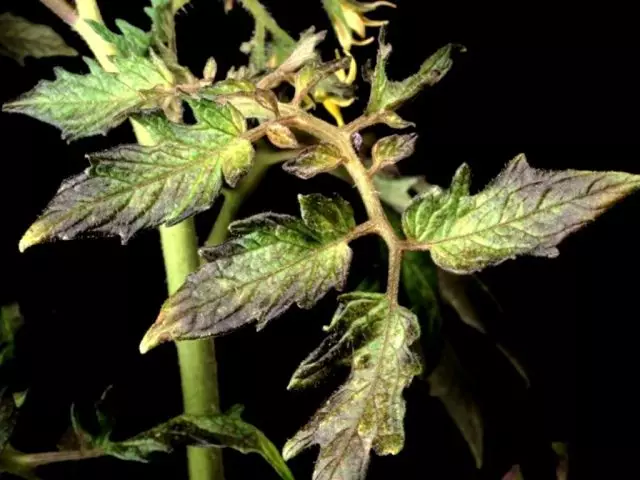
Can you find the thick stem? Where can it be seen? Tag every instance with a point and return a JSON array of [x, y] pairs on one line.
[[197, 360], [62, 9]]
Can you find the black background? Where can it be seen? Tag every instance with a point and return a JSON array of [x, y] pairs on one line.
[[558, 84]]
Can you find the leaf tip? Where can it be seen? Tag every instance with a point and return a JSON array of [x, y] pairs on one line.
[[32, 237], [156, 335]]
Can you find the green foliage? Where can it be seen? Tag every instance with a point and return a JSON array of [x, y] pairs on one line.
[[524, 211], [10, 323], [367, 412], [20, 38], [92, 104], [314, 160], [388, 94], [390, 150], [131, 42], [271, 262]]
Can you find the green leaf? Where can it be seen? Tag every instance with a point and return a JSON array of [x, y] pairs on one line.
[[449, 383], [85, 105], [367, 412], [390, 150], [524, 211], [132, 42], [8, 416], [134, 187], [312, 74], [272, 262], [314, 160], [20, 38], [387, 94], [224, 430], [395, 191], [10, 323]]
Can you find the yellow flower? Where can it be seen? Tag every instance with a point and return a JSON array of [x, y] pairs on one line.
[[328, 92], [348, 17]]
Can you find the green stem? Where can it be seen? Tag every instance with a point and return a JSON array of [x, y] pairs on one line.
[[236, 197], [261, 15], [14, 458]]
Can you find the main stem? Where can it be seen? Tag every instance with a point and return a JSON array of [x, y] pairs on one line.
[[198, 367]]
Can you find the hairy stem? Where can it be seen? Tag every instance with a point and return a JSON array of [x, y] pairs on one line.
[[341, 138], [198, 367], [62, 9]]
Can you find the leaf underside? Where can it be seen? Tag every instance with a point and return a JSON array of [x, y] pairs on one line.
[[20, 38], [524, 211], [272, 262], [134, 187], [367, 412]]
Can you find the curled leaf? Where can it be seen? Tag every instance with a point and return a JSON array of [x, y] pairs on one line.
[[390, 150], [367, 412], [314, 160], [524, 211], [272, 262], [281, 136]]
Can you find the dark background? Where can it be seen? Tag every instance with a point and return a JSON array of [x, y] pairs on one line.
[[560, 85]]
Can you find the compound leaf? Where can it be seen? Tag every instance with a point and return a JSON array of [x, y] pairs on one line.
[[131, 42], [524, 211], [91, 104], [367, 412], [388, 94], [20, 38], [134, 187], [272, 262]]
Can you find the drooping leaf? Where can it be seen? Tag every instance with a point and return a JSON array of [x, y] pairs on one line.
[[272, 262], [314, 160], [10, 323], [462, 293], [524, 211], [134, 187], [449, 383], [367, 412], [388, 94], [390, 150], [20, 38], [395, 191], [131, 42], [91, 104]]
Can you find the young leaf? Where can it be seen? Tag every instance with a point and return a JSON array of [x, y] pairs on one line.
[[387, 94], [449, 384], [223, 430], [524, 211], [272, 262], [367, 412], [134, 187], [132, 42], [390, 150], [314, 160], [19, 38], [85, 105], [281, 136]]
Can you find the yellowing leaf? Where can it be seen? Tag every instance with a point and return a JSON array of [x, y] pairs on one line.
[[85, 105], [314, 160], [367, 412], [134, 187], [281, 136], [524, 211], [388, 94], [272, 262], [20, 38]]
